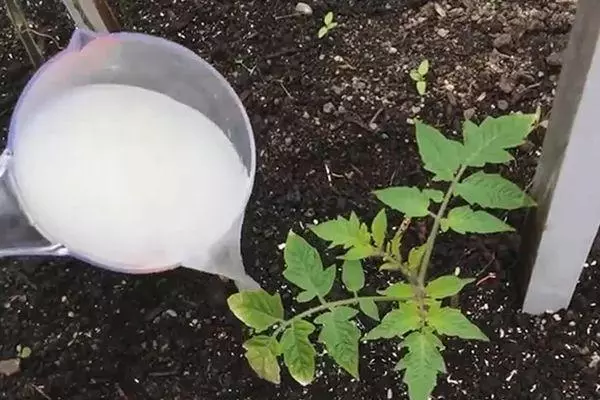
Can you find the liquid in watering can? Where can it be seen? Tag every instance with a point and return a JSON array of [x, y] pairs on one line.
[[131, 153]]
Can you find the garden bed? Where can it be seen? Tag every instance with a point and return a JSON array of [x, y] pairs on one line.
[[331, 120]]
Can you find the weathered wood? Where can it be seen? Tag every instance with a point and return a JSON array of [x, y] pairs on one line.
[[561, 231], [95, 15]]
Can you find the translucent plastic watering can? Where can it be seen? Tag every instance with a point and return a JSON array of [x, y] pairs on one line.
[[147, 62]]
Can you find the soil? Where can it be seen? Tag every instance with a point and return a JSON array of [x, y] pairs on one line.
[[332, 122]]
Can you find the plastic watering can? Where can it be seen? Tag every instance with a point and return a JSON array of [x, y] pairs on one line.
[[151, 63]]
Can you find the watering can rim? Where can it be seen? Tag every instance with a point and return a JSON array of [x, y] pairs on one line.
[[77, 44], [166, 42]]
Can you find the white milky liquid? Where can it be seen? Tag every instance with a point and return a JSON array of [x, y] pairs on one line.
[[124, 176]]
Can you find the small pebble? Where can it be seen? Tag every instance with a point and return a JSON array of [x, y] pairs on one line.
[[303, 8], [503, 105], [556, 317], [171, 313], [392, 50], [443, 32], [502, 40], [328, 108], [390, 394], [337, 89], [469, 113], [288, 141], [554, 59]]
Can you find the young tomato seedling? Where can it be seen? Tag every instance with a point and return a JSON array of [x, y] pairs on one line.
[[328, 25], [419, 75], [420, 317]]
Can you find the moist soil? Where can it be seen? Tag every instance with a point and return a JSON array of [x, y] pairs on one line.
[[332, 122]]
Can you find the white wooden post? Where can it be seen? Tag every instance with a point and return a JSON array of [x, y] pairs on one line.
[[94, 15], [567, 185]]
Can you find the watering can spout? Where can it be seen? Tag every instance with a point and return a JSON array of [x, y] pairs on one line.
[[17, 236], [80, 38]]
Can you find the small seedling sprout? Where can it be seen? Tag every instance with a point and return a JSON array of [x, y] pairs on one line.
[[328, 25], [419, 75]]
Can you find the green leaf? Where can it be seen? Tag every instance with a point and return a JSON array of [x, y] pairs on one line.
[[436, 196], [305, 297], [415, 256], [298, 352], [423, 68], [261, 353], [358, 252], [446, 286], [322, 32], [400, 290], [343, 232], [415, 76], [440, 155], [332, 25], [408, 200], [487, 143], [340, 336], [353, 275], [451, 322], [369, 308], [493, 191], [465, 220], [379, 228], [422, 364], [304, 267], [389, 267], [257, 309], [397, 322], [422, 87], [328, 19]]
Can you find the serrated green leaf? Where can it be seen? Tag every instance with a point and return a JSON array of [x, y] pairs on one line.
[[369, 308], [304, 267], [397, 322], [343, 232], [423, 68], [440, 155], [257, 309], [451, 322], [379, 228], [436, 196], [446, 286], [328, 19], [422, 87], [415, 76], [422, 364], [358, 252], [340, 336], [298, 352], [408, 200], [322, 32], [487, 143], [415, 256], [493, 191], [465, 220], [400, 290], [261, 353], [353, 275], [305, 297]]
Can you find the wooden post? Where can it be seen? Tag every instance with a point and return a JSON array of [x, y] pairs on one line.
[[561, 231], [94, 15]]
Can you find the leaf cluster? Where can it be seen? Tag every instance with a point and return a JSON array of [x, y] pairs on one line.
[[419, 318]]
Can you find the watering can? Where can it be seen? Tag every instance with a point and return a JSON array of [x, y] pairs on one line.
[[146, 62]]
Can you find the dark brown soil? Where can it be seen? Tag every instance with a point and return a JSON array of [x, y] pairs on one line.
[[342, 105]]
